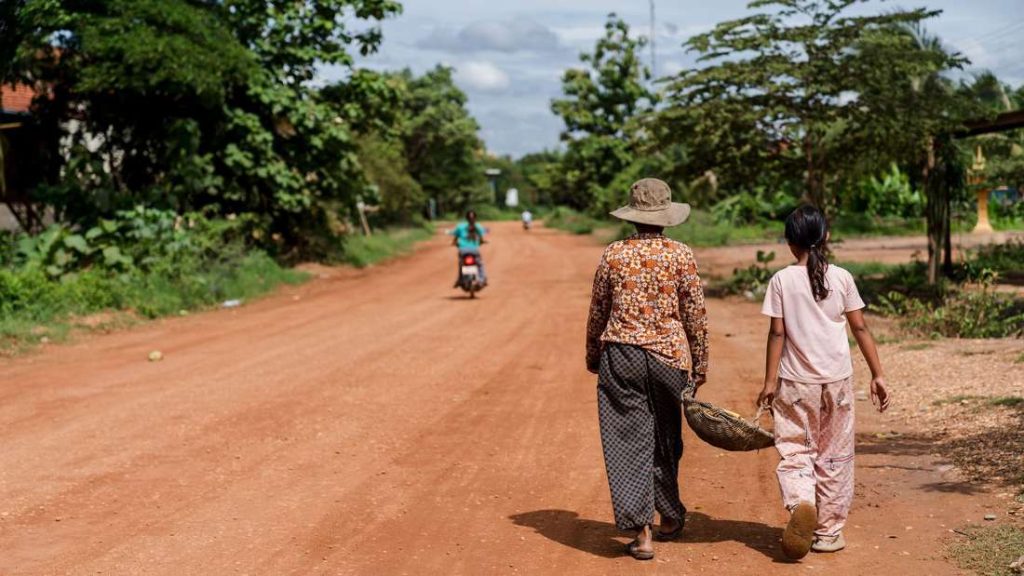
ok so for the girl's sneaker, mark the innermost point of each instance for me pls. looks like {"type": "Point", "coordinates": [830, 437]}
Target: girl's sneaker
{"type": "Point", "coordinates": [799, 533]}
{"type": "Point", "coordinates": [829, 543]}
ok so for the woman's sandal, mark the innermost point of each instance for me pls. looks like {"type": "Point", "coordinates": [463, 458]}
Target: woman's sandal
{"type": "Point", "coordinates": [635, 552]}
{"type": "Point", "coordinates": [669, 536]}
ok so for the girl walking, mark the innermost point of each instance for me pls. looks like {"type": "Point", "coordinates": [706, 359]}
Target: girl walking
{"type": "Point", "coordinates": [809, 385]}
{"type": "Point", "coordinates": [647, 339]}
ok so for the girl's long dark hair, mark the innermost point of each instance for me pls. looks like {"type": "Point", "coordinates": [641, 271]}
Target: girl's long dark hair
{"type": "Point", "coordinates": [474, 232]}
{"type": "Point", "coordinates": [807, 229]}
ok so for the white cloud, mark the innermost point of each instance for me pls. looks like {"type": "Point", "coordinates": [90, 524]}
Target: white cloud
{"type": "Point", "coordinates": [509, 36]}
{"type": "Point", "coordinates": [580, 34]}
{"type": "Point", "coordinates": [482, 76]}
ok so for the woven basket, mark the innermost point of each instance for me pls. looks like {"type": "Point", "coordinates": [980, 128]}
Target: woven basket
{"type": "Point", "coordinates": [724, 429]}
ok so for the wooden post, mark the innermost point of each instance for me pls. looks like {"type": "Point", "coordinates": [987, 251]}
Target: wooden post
{"type": "Point", "coordinates": [361, 208]}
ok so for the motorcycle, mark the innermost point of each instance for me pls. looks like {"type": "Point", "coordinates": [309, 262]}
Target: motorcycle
{"type": "Point", "coordinates": [469, 274]}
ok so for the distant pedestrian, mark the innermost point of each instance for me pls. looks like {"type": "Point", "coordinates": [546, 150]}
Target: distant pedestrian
{"type": "Point", "coordinates": [527, 217]}
{"type": "Point", "coordinates": [809, 385]}
{"type": "Point", "coordinates": [647, 339]}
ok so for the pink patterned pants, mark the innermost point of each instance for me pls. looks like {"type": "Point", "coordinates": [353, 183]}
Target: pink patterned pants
{"type": "Point", "coordinates": [814, 436]}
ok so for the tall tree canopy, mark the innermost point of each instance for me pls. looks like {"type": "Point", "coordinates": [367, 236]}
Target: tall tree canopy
{"type": "Point", "coordinates": [778, 93]}
{"type": "Point", "coordinates": [602, 103]}
{"type": "Point", "coordinates": [199, 103]}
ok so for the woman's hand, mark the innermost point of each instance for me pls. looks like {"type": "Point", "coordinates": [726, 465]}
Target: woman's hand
{"type": "Point", "coordinates": [879, 395]}
{"type": "Point", "coordinates": [698, 380]}
{"type": "Point", "coordinates": [767, 395]}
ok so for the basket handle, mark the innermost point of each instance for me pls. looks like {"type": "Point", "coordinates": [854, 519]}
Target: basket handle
{"type": "Point", "coordinates": [761, 409]}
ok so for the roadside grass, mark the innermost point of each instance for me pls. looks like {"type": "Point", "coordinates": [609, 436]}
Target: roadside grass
{"type": "Point", "coordinates": [982, 401]}
{"type": "Point", "coordinates": [1020, 359]}
{"type": "Point", "coordinates": [989, 550]}
{"type": "Point", "coordinates": [958, 399]}
{"type": "Point", "coordinates": [569, 220]}
{"type": "Point", "coordinates": [1007, 401]}
{"type": "Point", "coordinates": [492, 213]}
{"type": "Point", "coordinates": [865, 225]}
{"type": "Point", "coordinates": [701, 230]}
{"type": "Point", "coordinates": [362, 251]}
{"type": "Point", "coordinates": [919, 346]}
{"type": "Point", "coordinates": [43, 310]}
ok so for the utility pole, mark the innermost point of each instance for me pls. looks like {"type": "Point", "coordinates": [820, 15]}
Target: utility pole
{"type": "Point", "coordinates": [654, 72]}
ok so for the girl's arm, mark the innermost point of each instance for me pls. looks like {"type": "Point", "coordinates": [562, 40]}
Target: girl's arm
{"type": "Point", "coordinates": [879, 395]}
{"type": "Point", "coordinates": [773, 354]}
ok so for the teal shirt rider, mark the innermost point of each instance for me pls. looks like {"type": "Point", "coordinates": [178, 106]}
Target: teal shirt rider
{"type": "Point", "coordinates": [462, 237]}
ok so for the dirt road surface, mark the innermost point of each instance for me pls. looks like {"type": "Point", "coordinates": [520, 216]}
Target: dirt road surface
{"type": "Point", "coordinates": [376, 422]}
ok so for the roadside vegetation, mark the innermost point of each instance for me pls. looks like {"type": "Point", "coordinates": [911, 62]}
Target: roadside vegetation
{"type": "Point", "coordinates": [143, 263]}
{"type": "Point", "coordinates": [362, 251]}
{"type": "Point", "coordinates": [966, 305]}
{"type": "Point", "coordinates": [990, 551]}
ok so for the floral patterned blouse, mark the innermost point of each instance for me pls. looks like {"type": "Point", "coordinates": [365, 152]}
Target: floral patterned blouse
{"type": "Point", "coordinates": [647, 293]}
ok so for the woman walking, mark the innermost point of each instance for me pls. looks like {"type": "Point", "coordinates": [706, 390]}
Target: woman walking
{"type": "Point", "coordinates": [647, 339]}
{"type": "Point", "coordinates": [808, 383]}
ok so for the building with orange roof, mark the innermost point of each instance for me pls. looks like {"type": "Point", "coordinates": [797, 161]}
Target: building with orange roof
{"type": "Point", "coordinates": [16, 99]}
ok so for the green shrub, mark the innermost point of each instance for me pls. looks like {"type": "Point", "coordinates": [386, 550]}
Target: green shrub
{"type": "Point", "coordinates": [1003, 259]}
{"type": "Point", "coordinates": [970, 313]}
{"type": "Point", "coordinates": [702, 230]}
{"type": "Point", "coordinates": [751, 281]}
{"type": "Point", "coordinates": [748, 208]}
{"type": "Point", "coordinates": [888, 195]}
{"type": "Point", "coordinates": [567, 219]}
{"type": "Point", "coordinates": [151, 262]}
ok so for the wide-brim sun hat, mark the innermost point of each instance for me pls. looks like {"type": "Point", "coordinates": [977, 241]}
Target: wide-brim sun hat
{"type": "Point", "coordinates": [650, 202]}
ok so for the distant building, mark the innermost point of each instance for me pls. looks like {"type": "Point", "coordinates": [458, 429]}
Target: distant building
{"type": "Point", "coordinates": [19, 158]}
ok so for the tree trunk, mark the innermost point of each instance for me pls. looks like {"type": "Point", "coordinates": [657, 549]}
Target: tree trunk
{"type": "Point", "coordinates": [933, 212]}
{"type": "Point", "coordinates": [947, 240]}
{"type": "Point", "coordinates": [815, 188]}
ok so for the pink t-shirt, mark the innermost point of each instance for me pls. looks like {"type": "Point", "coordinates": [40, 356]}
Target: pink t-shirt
{"type": "Point", "coordinates": [816, 349]}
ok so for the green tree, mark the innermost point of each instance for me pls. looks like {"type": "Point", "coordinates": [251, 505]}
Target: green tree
{"type": "Point", "coordinates": [188, 103]}
{"type": "Point", "coordinates": [442, 148]}
{"type": "Point", "coordinates": [398, 194]}
{"type": "Point", "coordinates": [909, 116]}
{"type": "Point", "coordinates": [777, 94]}
{"type": "Point", "coordinates": [287, 151]}
{"type": "Point", "coordinates": [601, 107]}
{"type": "Point", "coordinates": [10, 36]}
{"type": "Point", "coordinates": [539, 170]}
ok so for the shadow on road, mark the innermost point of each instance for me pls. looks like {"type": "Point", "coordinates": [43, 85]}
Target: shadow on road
{"type": "Point", "coordinates": [966, 488]}
{"type": "Point", "coordinates": [605, 540]}
{"type": "Point", "coordinates": [902, 445]}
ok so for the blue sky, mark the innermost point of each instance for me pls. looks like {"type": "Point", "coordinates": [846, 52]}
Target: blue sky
{"type": "Point", "coordinates": [509, 55]}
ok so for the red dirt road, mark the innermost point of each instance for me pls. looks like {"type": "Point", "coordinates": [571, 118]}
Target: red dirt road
{"type": "Point", "coordinates": [376, 423]}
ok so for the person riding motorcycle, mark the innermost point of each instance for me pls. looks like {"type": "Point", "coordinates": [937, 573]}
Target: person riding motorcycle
{"type": "Point", "coordinates": [469, 235]}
